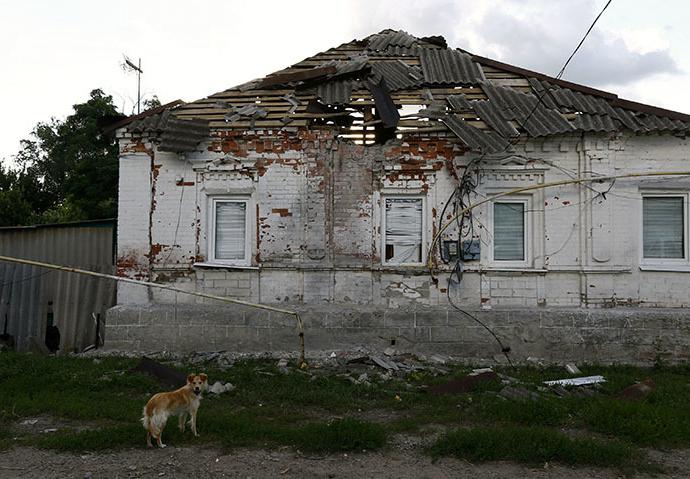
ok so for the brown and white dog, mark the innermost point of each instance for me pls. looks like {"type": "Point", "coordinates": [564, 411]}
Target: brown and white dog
{"type": "Point", "coordinates": [181, 402]}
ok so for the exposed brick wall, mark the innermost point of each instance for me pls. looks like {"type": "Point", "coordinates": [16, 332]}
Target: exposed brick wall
{"type": "Point", "coordinates": [316, 228]}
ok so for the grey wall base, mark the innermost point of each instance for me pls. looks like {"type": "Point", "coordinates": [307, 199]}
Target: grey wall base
{"type": "Point", "coordinates": [618, 335]}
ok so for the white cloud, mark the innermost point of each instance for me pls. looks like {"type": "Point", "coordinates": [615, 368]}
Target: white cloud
{"type": "Point", "coordinates": [59, 51]}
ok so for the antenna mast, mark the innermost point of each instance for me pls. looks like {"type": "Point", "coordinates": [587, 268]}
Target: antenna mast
{"type": "Point", "coordinates": [130, 66]}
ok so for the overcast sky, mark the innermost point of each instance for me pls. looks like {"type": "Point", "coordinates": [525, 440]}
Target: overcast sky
{"type": "Point", "coordinates": [54, 53]}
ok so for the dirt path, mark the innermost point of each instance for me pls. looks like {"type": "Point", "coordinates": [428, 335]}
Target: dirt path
{"type": "Point", "coordinates": [207, 462]}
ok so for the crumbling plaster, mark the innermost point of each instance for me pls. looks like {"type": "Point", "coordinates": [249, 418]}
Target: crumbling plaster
{"type": "Point", "coordinates": [316, 229]}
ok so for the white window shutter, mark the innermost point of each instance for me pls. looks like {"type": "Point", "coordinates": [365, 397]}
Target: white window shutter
{"type": "Point", "coordinates": [230, 230]}
{"type": "Point", "coordinates": [509, 231]}
{"type": "Point", "coordinates": [663, 227]}
{"type": "Point", "coordinates": [403, 230]}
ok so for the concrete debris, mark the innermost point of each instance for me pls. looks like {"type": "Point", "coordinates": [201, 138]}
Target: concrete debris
{"type": "Point", "coordinates": [518, 393]}
{"type": "Point", "coordinates": [282, 363]}
{"type": "Point", "coordinates": [389, 365]}
{"type": "Point", "coordinates": [638, 391]}
{"type": "Point", "coordinates": [435, 358]}
{"type": "Point", "coordinates": [572, 368]}
{"type": "Point", "coordinates": [389, 352]}
{"type": "Point", "coordinates": [535, 362]}
{"type": "Point", "coordinates": [220, 388]}
{"type": "Point", "coordinates": [476, 372]}
{"type": "Point", "coordinates": [583, 381]}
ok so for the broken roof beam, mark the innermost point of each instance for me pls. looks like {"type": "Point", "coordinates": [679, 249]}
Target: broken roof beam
{"type": "Point", "coordinates": [298, 76]}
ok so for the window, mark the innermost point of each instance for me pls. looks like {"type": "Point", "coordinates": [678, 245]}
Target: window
{"type": "Point", "coordinates": [509, 231]}
{"type": "Point", "coordinates": [663, 227]}
{"type": "Point", "coordinates": [229, 242]}
{"type": "Point", "coordinates": [403, 227]}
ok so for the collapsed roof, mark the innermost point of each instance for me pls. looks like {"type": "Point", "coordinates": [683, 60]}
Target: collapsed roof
{"type": "Point", "coordinates": [394, 84]}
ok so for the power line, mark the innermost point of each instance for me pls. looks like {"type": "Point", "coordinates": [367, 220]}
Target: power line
{"type": "Point", "coordinates": [560, 73]}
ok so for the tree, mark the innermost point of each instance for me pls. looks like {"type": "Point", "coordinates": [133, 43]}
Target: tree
{"type": "Point", "coordinates": [68, 170]}
{"type": "Point", "coordinates": [152, 102]}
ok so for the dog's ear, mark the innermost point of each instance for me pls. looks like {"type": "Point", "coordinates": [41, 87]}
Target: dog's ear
{"type": "Point", "coordinates": [203, 377]}
{"type": "Point", "coordinates": [190, 378]}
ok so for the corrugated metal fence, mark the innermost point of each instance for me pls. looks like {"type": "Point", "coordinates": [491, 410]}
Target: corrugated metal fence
{"type": "Point", "coordinates": [28, 294]}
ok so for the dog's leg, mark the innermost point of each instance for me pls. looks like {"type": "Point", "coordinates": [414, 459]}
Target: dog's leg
{"type": "Point", "coordinates": [192, 422]}
{"type": "Point", "coordinates": [148, 439]}
{"type": "Point", "coordinates": [183, 418]}
{"type": "Point", "coordinates": [160, 435]}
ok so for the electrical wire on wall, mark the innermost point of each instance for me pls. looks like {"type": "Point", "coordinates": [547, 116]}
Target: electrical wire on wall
{"type": "Point", "coordinates": [462, 207]}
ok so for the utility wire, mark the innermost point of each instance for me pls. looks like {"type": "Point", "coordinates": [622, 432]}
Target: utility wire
{"type": "Point", "coordinates": [560, 73]}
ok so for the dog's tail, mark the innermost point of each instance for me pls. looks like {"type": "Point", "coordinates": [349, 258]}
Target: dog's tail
{"type": "Point", "coordinates": [146, 420]}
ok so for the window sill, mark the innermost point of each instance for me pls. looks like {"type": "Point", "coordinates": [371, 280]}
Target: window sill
{"type": "Point", "coordinates": [224, 266]}
{"type": "Point", "coordinates": [509, 269]}
{"type": "Point", "coordinates": [677, 268]}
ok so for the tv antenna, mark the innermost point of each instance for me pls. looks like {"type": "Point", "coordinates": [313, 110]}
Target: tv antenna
{"type": "Point", "coordinates": [129, 66]}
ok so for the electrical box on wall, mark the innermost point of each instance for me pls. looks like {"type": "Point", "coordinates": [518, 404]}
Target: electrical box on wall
{"type": "Point", "coordinates": [471, 250]}
{"type": "Point", "coordinates": [450, 250]}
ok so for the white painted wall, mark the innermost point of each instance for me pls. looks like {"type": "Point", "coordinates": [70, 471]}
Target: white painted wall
{"type": "Point", "coordinates": [317, 232]}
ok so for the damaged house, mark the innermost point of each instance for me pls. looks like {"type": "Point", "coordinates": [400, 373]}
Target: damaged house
{"type": "Point", "coordinates": [321, 188]}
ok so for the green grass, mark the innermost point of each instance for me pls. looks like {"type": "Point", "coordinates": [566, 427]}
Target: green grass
{"type": "Point", "coordinates": [269, 409]}
{"type": "Point", "coordinates": [5, 436]}
{"type": "Point", "coordinates": [532, 445]}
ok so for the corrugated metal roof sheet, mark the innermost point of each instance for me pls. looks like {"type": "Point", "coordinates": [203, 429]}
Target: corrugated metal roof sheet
{"type": "Point", "coordinates": [587, 122]}
{"type": "Point", "coordinates": [397, 74]}
{"type": "Point", "coordinates": [459, 103]}
{"type": "Point", "coordinates": [177, 135]}
{"type": "Point", "coordinates": [183, 135]}
{"type": "Point", "coordinates": [492, 116]}
{"type": "Point", "coordinates": [26, 291]}
{"type": "Point", "coordinates": [542, 93]}
{"type": "Point", "coordinates": [397, 51]}
{"type": "Point", "coordinates": [577, 101]}
{"type": "Point", "coordinates": [336, 92]}
{"type": "Point", "coordinates": [473, 137]}
{"type": "Point", "coordinates": [527, 110]}
{"type": "Point", "coordinates": [658, 123]}
{"type": "Point", "coordinates": [446, 66]}
{"type": "Point", "coordinates": [629, 120]}
{"type": "Point", "coordinates": [383, 40]}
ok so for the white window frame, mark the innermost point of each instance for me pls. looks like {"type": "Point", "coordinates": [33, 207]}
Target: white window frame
{"type": "Point", "coordinates": [246, 261]}
{"type": "Point", "coordinates": [384, 197]}
{"type": "Point", "coordinates": [685, 261]}
{"type": "Point", "coordinates": [527, 229]}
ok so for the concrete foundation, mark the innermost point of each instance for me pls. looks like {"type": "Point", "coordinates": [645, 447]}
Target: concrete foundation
{"type": "Point", "coordinates": [617, 335]}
